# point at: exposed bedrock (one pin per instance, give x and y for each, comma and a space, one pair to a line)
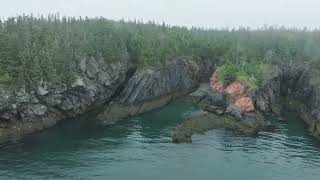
152, 88
219, 111
23, 113
293, 87
118, 89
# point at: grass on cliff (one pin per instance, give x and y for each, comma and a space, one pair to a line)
252, 75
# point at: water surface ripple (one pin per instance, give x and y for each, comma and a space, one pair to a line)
140, 149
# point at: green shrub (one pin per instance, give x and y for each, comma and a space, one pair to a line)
229, 74
251, 75
259, 79
247, 79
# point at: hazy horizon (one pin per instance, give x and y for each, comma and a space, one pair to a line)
199, 13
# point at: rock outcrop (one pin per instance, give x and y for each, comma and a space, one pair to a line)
244, 104
215, 83
23, 113
222, 109
208, 121
236, 90
119, 86
152, 88
294, 87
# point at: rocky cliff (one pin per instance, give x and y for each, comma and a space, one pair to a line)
294, 87
223, 107
117, 87
148, 89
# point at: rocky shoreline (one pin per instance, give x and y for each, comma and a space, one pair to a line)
118, 90
239, 108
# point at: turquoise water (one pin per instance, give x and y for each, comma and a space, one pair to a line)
140, 149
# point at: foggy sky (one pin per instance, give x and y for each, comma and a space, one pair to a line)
201, 13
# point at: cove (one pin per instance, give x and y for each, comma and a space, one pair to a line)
141, 148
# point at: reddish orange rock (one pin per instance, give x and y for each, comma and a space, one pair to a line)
236, 90
215, 84
217, 87
245, 104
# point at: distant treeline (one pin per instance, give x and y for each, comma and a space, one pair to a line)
34, 49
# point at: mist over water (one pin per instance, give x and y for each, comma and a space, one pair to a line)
140, 148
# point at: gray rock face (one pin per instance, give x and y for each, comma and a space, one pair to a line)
97, 84
92, 68
269, 94
178, 76
233, 111
294, 82
152, 88
78, 83
205, 96
38, 109
298, 84
288, 81
42, 91
87, 92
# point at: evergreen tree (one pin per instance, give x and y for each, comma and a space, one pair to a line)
47, 48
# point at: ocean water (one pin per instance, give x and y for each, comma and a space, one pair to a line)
140, 149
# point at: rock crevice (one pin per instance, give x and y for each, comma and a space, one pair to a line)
99, 84
287, 86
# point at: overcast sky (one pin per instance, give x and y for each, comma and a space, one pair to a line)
205, 13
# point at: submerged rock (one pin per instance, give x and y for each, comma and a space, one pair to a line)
198, 124
208, 121
213, 109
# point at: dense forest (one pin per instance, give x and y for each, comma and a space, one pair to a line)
34, 49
